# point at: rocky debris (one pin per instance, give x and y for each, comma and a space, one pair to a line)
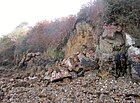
28, 59
54, 75
74, 66
59, 75
75, 84
69, 63
87, 89
1, 94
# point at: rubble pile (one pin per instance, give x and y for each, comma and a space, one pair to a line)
72, 80
74, 66
22, 88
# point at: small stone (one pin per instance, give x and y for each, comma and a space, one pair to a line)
1, 94
66, 80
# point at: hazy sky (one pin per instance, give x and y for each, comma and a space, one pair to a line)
13, 12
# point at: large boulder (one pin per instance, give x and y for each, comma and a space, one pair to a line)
86, 62
111, 42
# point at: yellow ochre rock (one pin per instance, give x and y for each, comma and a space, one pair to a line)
83, 39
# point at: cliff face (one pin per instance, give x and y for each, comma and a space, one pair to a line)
83, 39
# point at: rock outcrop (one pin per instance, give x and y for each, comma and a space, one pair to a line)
83, 37
111, 42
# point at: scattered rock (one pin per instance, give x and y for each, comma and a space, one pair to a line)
21, 84
1, 94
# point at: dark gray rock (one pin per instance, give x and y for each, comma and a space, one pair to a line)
135, 71
1, 94
86, 62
